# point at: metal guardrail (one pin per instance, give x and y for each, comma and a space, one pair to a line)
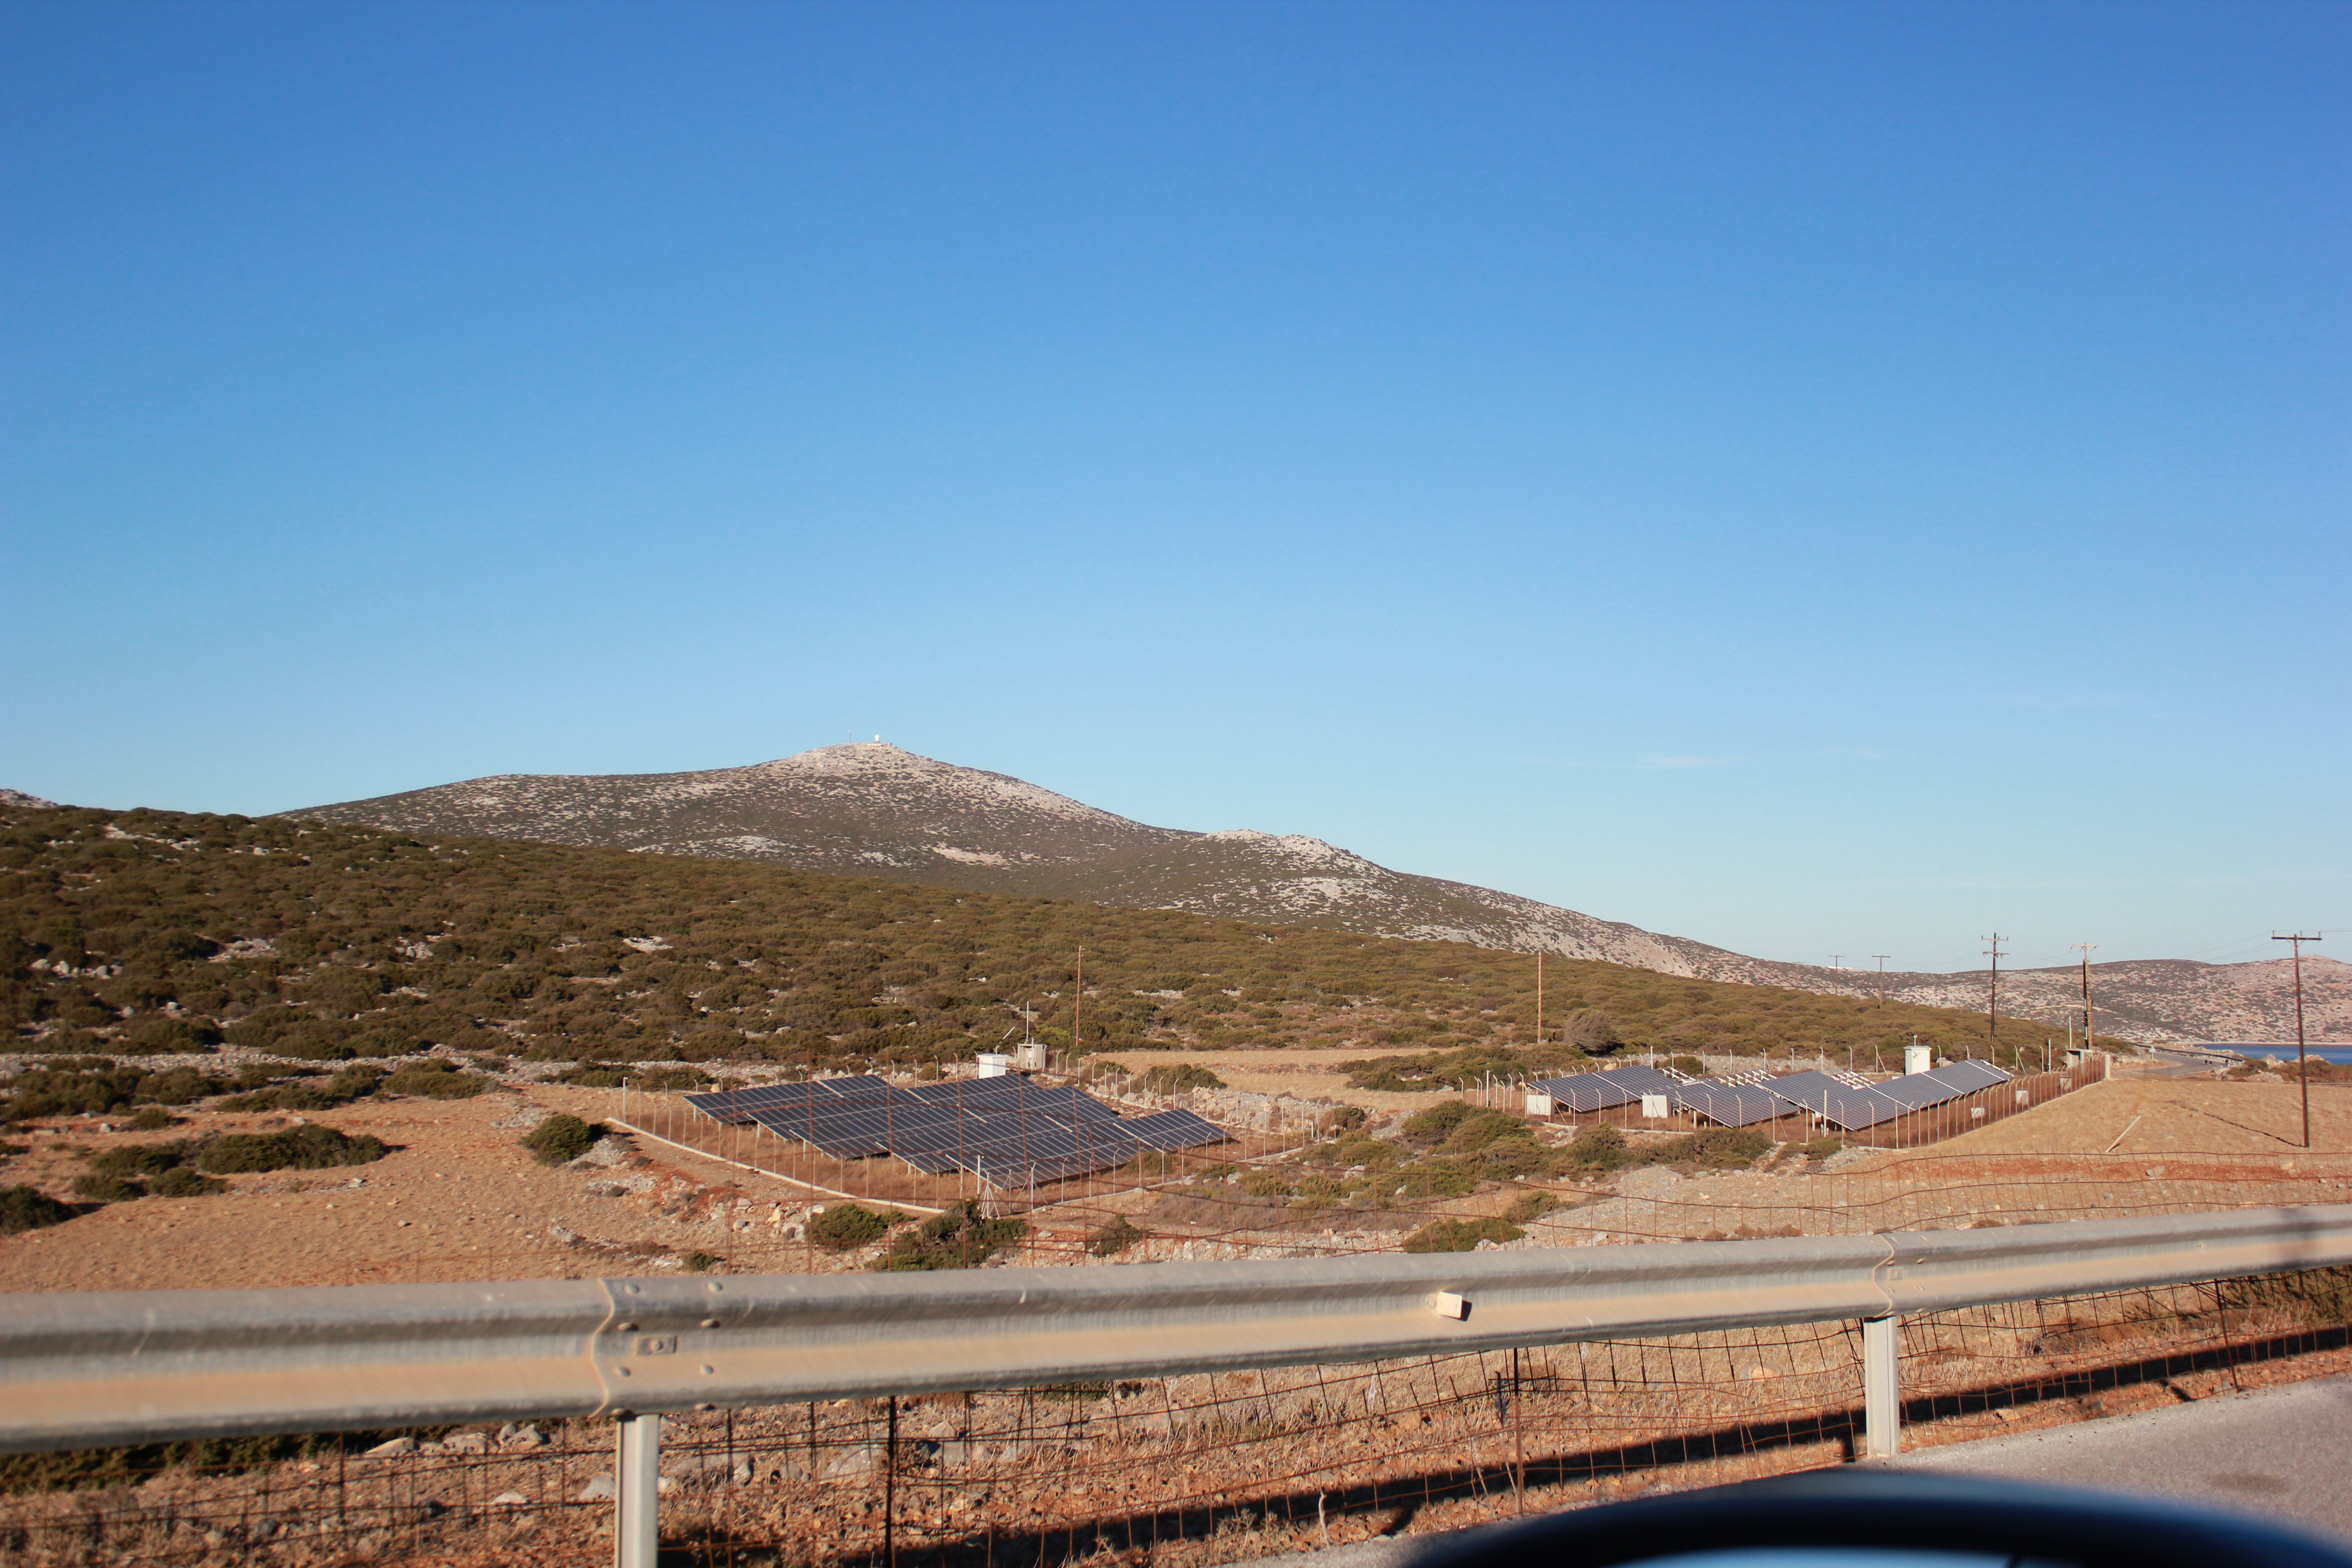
88, 1369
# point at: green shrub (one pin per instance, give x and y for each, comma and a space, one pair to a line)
1532, 1207
1819, 1149
562, 1138
1727, 1148
104, 1189
1688, 1065
180, 1182
1176, 1078
844, 1227
153, 1119
25, 1208
168, 1037
1437, 1123
701, 1262
1437, 1178
139, 1159
433, 1078
1461, 1235
132, 1171
311, 1148
1114, 1239
1596, 1150
960, 1238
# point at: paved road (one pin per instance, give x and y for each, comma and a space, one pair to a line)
2284, 1453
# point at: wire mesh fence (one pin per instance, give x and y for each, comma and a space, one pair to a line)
1197, 1469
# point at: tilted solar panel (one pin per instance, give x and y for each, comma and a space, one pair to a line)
736, 1105
1916, 1091
1968, 1075
1733, 1105
1831, 1098
1173, 1130
1851, 1109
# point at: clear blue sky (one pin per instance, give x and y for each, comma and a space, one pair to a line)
1818, 478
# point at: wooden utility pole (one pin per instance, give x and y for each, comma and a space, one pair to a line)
1992, 993
1539, 999
2300, 1070
1882, 977
1079, 1012
2090, 1029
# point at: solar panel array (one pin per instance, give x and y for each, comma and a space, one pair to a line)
1009, 1130
1835, 1101
1731, 1104
1611, 1086
1844, 1099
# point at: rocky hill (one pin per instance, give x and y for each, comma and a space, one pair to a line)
874, 809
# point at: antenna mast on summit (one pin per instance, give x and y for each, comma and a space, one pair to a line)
1882, 976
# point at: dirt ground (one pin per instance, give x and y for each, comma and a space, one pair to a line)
2146, 1114
460, 1198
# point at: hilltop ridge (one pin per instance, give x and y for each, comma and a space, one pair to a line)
871, 808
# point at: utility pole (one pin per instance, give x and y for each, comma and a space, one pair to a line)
2300, 1070
1882, 977
2090, 1028
1837, 960
1539, 999
1993, 995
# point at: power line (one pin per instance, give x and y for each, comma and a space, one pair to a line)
2302, 1069
1993, 995
2089, 1034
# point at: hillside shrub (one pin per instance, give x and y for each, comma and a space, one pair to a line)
1690, 1066
1178, 1077
1114, 1239
1596, 1150
167, 1036
1437, 1122
435, 1077
844, 1227
24, 1208
180, 1182
562, 1138
960, 1238
310, 1148
1461, 1235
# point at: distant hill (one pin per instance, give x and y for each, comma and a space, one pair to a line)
874, 809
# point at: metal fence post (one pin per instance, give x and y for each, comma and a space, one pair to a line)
1881, 1401
637, 1523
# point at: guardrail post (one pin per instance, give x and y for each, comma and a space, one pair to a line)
636, 1523
1881, 1401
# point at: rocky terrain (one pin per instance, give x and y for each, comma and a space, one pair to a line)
874, 809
